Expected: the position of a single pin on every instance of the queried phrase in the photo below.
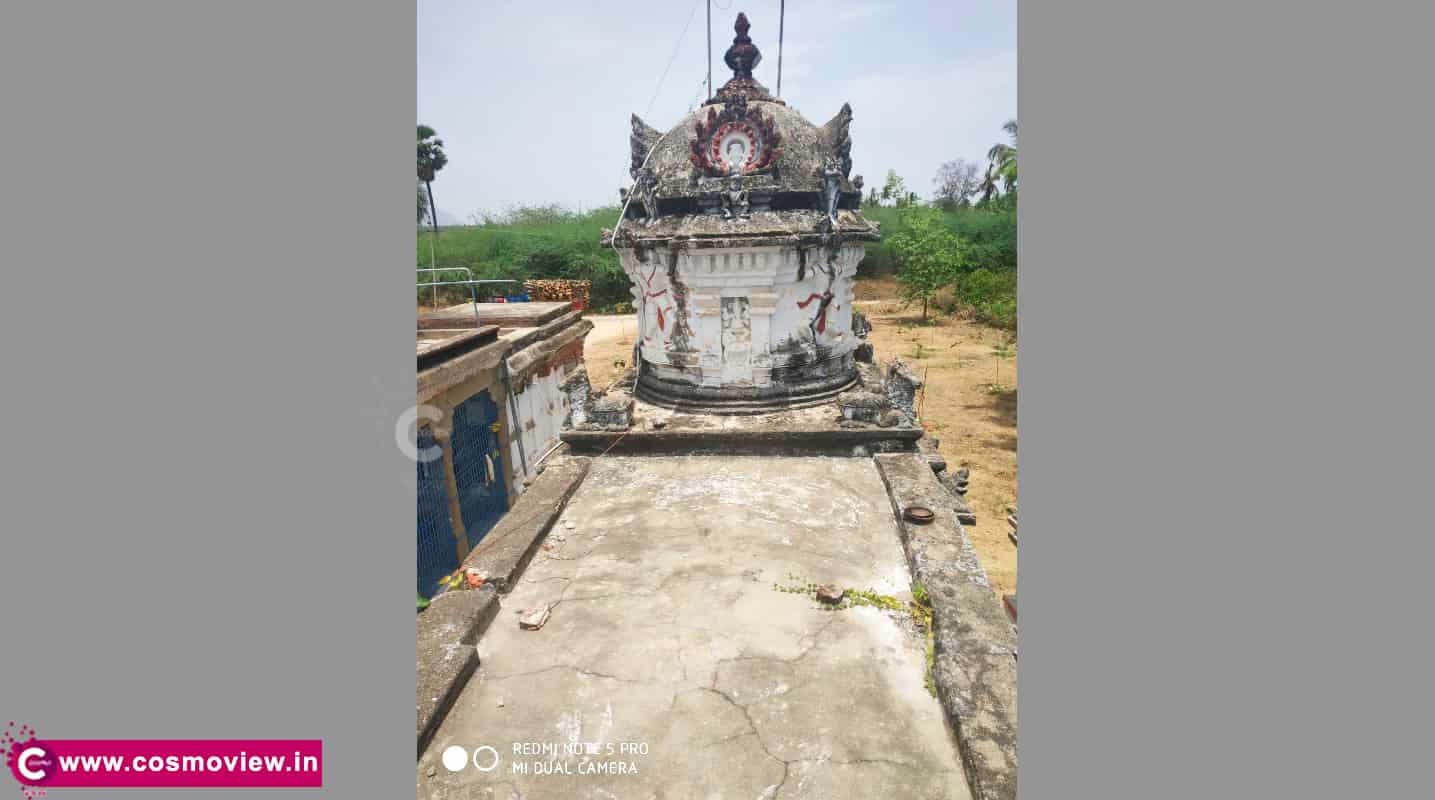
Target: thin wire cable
(623, 214)
(697, 95)
(781, 18)
(677, 47)
(710, 48)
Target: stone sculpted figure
(736, 154)
(647, 190)
(734, 200)
(831, 186)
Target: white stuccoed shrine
(742, 237)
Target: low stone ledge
(508, 315)
(525, 362)
(447, 632)
(502, 555)
(818, 441)
(978, 692)
(975, 645)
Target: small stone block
(535, 619)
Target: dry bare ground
(608, 350)
(969, 402)
(969, 405)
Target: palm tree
(431, 160)
(988, 187)
(1003, 157)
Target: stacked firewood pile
(561, 290)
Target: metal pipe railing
(471, 283)
(473, 293)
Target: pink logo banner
(167, 763)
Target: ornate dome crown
(742, 132)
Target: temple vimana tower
(742, 236)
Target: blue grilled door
(478, 465)
(437, 550)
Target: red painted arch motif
(765, 142)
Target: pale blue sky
(532, 99)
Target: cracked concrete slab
(669, 637)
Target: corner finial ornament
(644, 138)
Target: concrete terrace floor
(668, 635)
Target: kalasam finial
(743, 55)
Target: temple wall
(542, 406)
(740, 316)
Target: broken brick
(534, 619)
(828, 593)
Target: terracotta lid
(920, 515)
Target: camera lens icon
(485, 758)
(455, 758)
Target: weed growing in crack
(919, 608)
(922, 613)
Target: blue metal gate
(437, 549)
(478, 465)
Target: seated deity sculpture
(735, 200)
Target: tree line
(960, 246)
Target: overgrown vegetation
(530, 242)
(982, 284)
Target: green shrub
(929, 256)
(985, 284)
(990, 295)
